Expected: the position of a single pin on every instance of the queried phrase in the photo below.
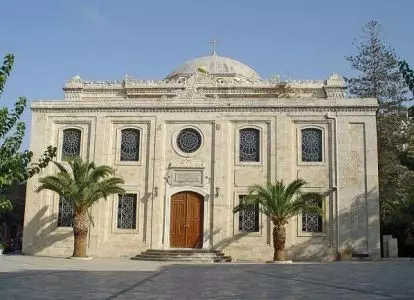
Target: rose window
(189, 140)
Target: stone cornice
(206, 109)
(202, 81)
(209, 105)
(77, 88)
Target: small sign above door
(186, 173)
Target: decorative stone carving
(305, 83)
(202, 86)
(334, 92)
(335, 86)
(163, 99)
(73, 95)
(187, 177)
(336, 80)
(103, 84)
(187, 164)
(191, 91)
(69, 108)
(74, 82)
(187, 172)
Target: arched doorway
(186, 222)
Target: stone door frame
(167, 215)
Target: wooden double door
(186, 227)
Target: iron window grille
(249, 144)
(127, 211)
(248, 217)
(311, 145)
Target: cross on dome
(214, 42)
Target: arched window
(249, 144)
(311, 144)
(130, 144)
(71, 143)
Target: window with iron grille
(248, 217)
(71, 143)
(130, 145)
(312, 222)
(311, 144)
(127, 211)
(249, 144)
(65, 215)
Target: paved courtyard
(24, 277)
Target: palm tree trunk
(80, 232)
(279, 240)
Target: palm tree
(280, 203)
(82, 185)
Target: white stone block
(385, 245)
(393, 247)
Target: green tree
(15, 166)
(401, 220)
(379, 77)
(407, 74)
(407, 157)
(82, 185)
(280, 203)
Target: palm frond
(53, 183)
(84, 185)
(61, 168)
(294, 188)
(305, 203)
(280, 202)
(100, 172)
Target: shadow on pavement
(217, 281)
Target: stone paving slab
(15, 263)
(24, 277)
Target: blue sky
(103, 40)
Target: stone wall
(221, 176)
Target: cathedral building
(190, 145)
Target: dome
(216, 65)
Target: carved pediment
(187, 172)
(187, 164)
(192, 88)
(201, 78)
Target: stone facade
(216, 106)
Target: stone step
(184, 254)
(178, 257)
(187, 251)
(183, 259)
(190, 255)
(165, 258)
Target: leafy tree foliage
(83, 184)
(407, 73)
(379, 77)
(280, 202)
(15, 166)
